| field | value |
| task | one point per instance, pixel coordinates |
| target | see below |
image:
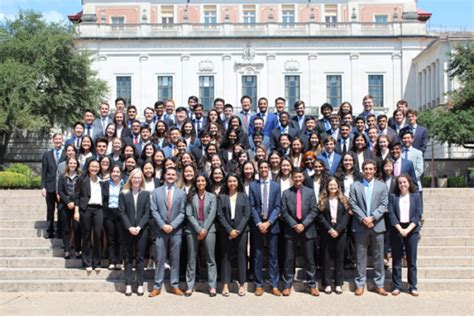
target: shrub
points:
(13, 180)
(426, 182)
(35, 182)
(20, 168)
(457, 182)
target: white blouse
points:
(333, 203)
(96, 193)
(360, 158)
(348, 180)
(285, 184)
(233, 202)
(317, 186)
(405, 208)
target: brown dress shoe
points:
(286, 292)
(177, 291)
(414, 293)
(359, 291)
(276, 291)
(259, 291)
(154, 293)
(314, 291)
(381, 291)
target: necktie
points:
(56, 153)
(329, 160)
(77, 142)
(135, 141)
(265, 200)
(88, 130)
(344, 146)
(246, 118)
(406, 154)
(299, 213)
(198, 125)
(169, 205)
(104, 124)
(368, 196)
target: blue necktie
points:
(368, 197)
(406, 154)
(57, 155)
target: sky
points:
(455, 14)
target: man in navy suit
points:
(420, 133)
(265, 204)
(89, 128)
(283, 128)
(330, 158)
(324, 124)
(199, 121)
(270, 120)
(159, 114)
(76, 138)
(401, 165)
(344, 142)
(298, 121)
(368, 104)
(49, 166)
(145, 135)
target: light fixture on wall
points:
(354, 15)
(270, 15)
(226, 15)
(395, 14)
(144, 16)
(312, 16)
(186, 16)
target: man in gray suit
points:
(369, 201)
(168, 209)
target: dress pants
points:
(258, 243)
(209, 247)
(165, 242)
(228, 247)
(362, 242)
(51, 205)
(114, 230)
(92, 221)
(410, 245)
(350, 252)
(333, 248)
(135, 250)
(308, 245)
(69, 225)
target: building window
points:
(334, 89)
(210, 14)
(330, 15)
(167, 14)
(249, 87)
(292, 89)
(383, 19)
(288, 14)
(117, 22)
(124, 88)
(165, 88)
(249, 15)
(376, 89)
(206, 91)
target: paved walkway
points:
(428, 303)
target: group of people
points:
(217, 190)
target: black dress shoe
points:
(212, 294)
(49, 236)
(188, 294)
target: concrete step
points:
(446, 232)
(442, 215)
(23, 224)
(442, 251)
(20, 193)
(444, 261)
(41, 262)
(446, 241)
(30, 242)
(38, 208)
(22, 232)
(31, 252)
(448, 192)
(441, 206)
(450, 222)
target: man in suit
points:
(330, 158)
(104, 117)
(228, 114)
(169, 111)
(199, 121)
(149, 114)
(420, 133)
(258, 123)
(131, 115)
(334, 130)
(415, 156)
(298, 121)
(324, 124)
(76, 138)
(344, 143)
(89, 128)
(159, 114)
(283, 128)
(369, 201)
(49, 165)
(134, 138)
(309, 128)
(368, 104)
(145, 135)
(402, 165)
(168, 211)
(265, 204)
(280, 105)
(298, 209)
(181, 116)
(192, 102)
(270, 120)
(384, 129)
(246, 113)
(402, 106)
(199, 150)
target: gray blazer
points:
(159, 209)
(308, 210)
(192, 211)
(378, 206)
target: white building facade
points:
(317, 51)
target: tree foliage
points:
(45, 80)
(454, 122)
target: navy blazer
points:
(416, 210)
(275, 135)
(408, 168)
(49, 169)
(242, 213)
(308, 212)
(271, 122)
(420, 140)
(342, 218)
(336, 160)
(134, 216)
(274, 204)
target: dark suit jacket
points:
(368, 154)
(242, 213)
(336, 160)
(271, 122)
(64, 197)
(83, 192)
(296, 125)
(408, 168)
(320, 127)
(49, 169)
(308, 210)
(192, 214)
(131, 216)
(416, 210)
(275, 135)
(342, 218)
(338, 147)
(274, 204)
(420, 140)
(72, 141)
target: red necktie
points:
(299, 213)
(136, 140)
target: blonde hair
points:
(128, 185)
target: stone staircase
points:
(28, 262)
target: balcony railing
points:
(188, 30)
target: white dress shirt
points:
(233, 202)
(96, 193)
(405, 208)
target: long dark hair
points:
(193, 190)
(411, 188)
(240, 187)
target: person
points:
(405, 210)
(76, 137)
(89, 129)
(66, 190)
(246, 113)
(324, 124)
(319, 178)
(104, 118)
(168, 209)
(89, 211)
(382, 150)
(398, 121)
(105, 163)
(298, 120)
(201, 210)
(233, 214)
(298, 209)
(315, 143)
(86, 151)
(296, 152)
(415, 156)
(330, 158)
(361, 151)
(368, 103)
(369, 201)
(49, 165)
(284, 127)
(384, 129)
(401, 165)
(284, 177)
(248, 175)
(420, 133)
(134, 206)
(265, 203)
(333, 216)
(112, 220)
(344, 142)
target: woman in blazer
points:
(333, 217)
(362, 151)
(405, 210)
(201, 208)
(233, 215)
(134, 206)
(89, 211)
(66, 185)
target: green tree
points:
(45, 80)
(453, 122)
